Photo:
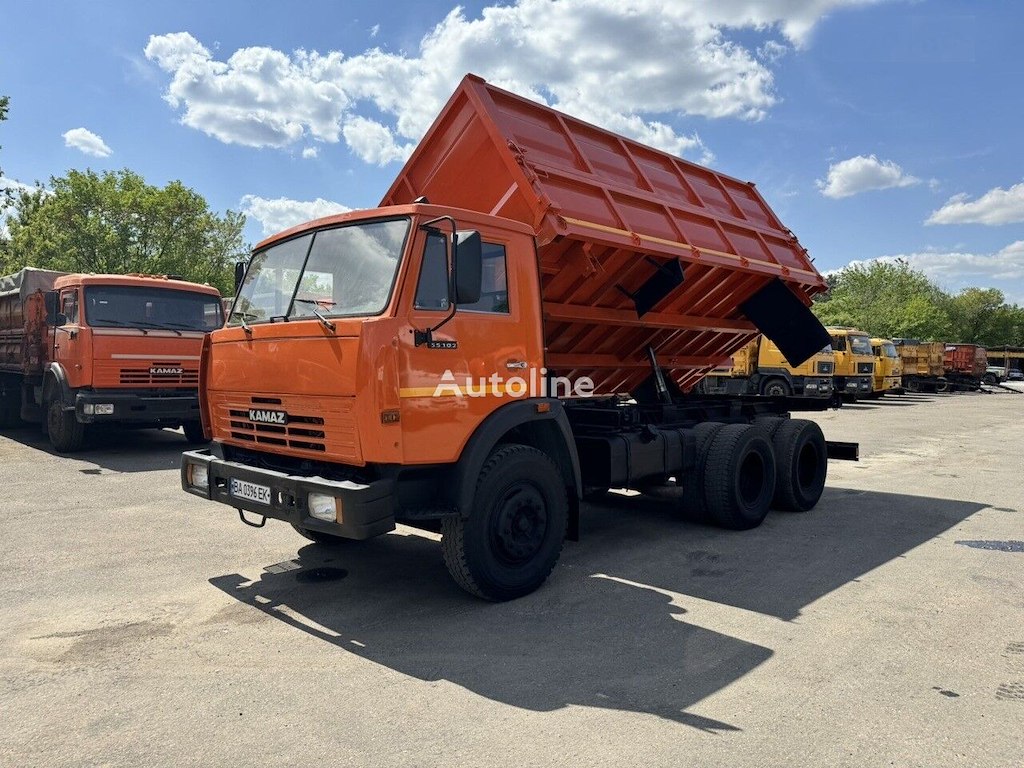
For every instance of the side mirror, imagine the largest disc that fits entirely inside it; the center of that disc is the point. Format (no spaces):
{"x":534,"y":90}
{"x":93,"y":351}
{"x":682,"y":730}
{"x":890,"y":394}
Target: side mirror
{"x":60,"y":320}
{"x":239,"y":274}
{"x":50,"y":301}
{"x":469,"y":267}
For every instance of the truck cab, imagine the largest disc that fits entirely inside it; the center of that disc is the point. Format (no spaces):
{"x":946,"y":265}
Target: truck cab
{"x":854,"y":362}
{"x":888,"y":370}
{"x":123,"y":349}
{"x":760,"y":368}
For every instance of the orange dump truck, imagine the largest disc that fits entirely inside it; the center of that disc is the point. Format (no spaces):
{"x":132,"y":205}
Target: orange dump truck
{"x":79,"y":349}
{"x":520,"y":323}
{"x":965,"y":365}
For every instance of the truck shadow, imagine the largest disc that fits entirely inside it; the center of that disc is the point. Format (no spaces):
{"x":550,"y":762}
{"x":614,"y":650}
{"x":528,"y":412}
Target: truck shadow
{"x":609,"y":629}
{"x":112,"y":448}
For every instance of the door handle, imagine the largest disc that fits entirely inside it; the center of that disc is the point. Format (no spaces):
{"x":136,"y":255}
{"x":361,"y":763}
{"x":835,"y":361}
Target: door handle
{"x":516,"y":365}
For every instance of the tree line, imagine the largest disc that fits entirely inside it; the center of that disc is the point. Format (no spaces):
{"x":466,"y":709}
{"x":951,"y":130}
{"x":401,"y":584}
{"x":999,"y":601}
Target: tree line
{"x":114,"y":222}
{"x":894,"y":300}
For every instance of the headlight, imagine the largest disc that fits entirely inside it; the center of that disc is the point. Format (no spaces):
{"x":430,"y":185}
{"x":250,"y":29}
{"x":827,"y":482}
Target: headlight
{"x":103,"y":409}
{"x":198,"y":476}
{"x":324,"y":507}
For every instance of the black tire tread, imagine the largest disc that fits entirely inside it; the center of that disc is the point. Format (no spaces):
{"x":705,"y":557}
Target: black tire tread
{"x":71,"y":433}
{"x":453,"y":527}
{"x":787,"y":498}
{"x":718,"y":484}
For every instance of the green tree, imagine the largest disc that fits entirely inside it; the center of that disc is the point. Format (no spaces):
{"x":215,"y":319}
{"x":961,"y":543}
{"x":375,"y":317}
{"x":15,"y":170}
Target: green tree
{"x":889,"y":299}
{"x":115,"y":222}
{"x":981,"y":316}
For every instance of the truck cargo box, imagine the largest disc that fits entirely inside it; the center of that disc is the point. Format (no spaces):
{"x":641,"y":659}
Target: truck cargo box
{"x":637,"y":247}
{"x":21,"y":329}
{"x":967,"y":359}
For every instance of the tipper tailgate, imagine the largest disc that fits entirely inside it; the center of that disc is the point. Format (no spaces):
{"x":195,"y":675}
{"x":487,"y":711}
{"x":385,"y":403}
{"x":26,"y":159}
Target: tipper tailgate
{"x":636,"y":247}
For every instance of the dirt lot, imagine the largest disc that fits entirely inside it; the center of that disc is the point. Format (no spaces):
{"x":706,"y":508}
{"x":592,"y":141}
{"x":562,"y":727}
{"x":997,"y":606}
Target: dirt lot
{"x":143,"y":626}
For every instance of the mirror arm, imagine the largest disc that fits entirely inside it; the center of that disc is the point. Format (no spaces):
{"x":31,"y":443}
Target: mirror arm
{"x":426,"y":336}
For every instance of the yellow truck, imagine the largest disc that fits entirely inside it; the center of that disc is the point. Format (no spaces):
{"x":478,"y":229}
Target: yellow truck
{"x":854,"y":362}
{"x":759,"y":368}
{"x":924,"y":369}
{"x":888,"y":370}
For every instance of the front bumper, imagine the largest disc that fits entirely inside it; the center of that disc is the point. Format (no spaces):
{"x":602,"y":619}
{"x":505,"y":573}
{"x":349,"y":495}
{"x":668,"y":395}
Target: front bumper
{"x":364,"y":510}
{"x":818,"y":387}
{"x":143,"y":407}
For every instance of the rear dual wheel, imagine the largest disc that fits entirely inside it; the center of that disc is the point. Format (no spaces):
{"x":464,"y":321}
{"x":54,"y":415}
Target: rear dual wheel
{"x":739,"y":476}
{"x":801,"y":464}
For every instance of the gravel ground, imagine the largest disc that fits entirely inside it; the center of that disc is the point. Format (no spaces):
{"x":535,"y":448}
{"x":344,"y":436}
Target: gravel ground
{"x":886,"y":627}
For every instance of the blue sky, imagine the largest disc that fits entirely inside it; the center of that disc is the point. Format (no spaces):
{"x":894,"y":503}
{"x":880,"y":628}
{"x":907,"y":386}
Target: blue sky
{"x":875,"y":128}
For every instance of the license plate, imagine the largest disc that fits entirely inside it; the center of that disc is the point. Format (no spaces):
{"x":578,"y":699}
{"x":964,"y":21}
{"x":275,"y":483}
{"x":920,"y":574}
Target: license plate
{"x":243,"y":489}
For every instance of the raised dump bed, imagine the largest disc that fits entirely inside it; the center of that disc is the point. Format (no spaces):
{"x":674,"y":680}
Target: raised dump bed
{"x":637,"y":247}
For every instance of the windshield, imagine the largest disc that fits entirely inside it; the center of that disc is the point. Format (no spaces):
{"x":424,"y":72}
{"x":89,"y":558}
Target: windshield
{"x":889,"y":350}
{"x":342,"y":271}
{"x":124,"y":306}
{"x":860,"y":345}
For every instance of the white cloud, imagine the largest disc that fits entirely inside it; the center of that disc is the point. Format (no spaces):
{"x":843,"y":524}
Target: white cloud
{"x":997,"y":206}
{"x":310,"y":152}
{"x":630,"y":65}
{"x":861,"y":174}
{"x":281,"y":213}
{"x":86,"y":141}
{"x":375,"y":30}
{"x":957,"y":269}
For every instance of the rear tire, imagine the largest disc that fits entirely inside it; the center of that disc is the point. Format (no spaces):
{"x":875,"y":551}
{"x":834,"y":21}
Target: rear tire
{"x":66,"y":432}
{"x":512,"y":538}
{"x":691,"y":505}
{"x":801,"y":465}
{"x":10,"y":408}
{"x":739,"y":479}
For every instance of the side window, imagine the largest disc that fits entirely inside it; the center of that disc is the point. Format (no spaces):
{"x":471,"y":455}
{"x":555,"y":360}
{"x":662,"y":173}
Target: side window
{"x":494,"y":286}
{"x":839,"y":343}
{"x":432,"y":289}
{"x":69,"y":306}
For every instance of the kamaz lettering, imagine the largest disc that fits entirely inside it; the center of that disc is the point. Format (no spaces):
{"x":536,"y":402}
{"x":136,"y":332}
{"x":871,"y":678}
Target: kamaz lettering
{"x":166,"y":371}
{"x":268,"y":417}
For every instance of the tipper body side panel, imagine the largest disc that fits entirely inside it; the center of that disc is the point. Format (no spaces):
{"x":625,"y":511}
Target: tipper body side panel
{"x":636,"y":247}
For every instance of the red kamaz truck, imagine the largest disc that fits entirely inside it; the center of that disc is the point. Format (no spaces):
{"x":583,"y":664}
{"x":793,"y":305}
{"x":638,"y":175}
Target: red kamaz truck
{"x":78,"y":349}
{"x":519,"y":324}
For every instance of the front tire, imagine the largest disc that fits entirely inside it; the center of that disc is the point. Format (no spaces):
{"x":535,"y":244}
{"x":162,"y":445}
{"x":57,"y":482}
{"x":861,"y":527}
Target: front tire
{"x":194,"y":434}
{"x":66,"y":432}
{"x":776,"y":388}
{"x":512,"y":538}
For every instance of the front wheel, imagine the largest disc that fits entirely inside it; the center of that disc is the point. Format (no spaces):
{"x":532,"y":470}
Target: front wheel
{"x":512,"y":538}
{"x":66,"y":432}
{"x":776,"y":388}
{"x":194,"y":432}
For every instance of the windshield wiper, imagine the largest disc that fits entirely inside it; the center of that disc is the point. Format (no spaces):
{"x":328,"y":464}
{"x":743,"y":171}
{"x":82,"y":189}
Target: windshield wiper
{"x":107,"y":323}
{"x":315,"y":309}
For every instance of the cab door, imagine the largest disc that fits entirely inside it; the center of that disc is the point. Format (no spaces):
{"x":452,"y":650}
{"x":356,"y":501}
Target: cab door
{"x":68,"y":345}
{"x":490,"y":353}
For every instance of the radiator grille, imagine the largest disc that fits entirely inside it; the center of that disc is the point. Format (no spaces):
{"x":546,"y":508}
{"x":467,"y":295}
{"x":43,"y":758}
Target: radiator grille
{"x":159,"y":376}
{"x":300,"y":431}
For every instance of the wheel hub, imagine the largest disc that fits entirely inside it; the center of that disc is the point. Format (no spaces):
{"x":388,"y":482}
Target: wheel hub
{"x":519,"y":524}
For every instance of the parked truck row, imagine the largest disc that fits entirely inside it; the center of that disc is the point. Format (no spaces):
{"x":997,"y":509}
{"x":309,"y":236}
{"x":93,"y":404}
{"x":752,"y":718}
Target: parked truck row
{"x":397,"y":365}
{"x":538,"y":311}
{"x":83,"y":349}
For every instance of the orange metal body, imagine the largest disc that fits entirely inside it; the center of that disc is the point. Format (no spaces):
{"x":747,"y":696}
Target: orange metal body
{"x":967,"y":359}
{"x":586,"y":217}
{"x":606,"y":212}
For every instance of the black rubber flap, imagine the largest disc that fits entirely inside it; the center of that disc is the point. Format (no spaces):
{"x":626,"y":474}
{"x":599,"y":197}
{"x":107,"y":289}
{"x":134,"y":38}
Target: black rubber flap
{"x":783,"y":318}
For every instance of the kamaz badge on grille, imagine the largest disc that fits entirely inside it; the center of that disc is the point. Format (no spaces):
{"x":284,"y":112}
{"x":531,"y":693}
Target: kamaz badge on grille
{"x":166,"y":371}
{"x":268,"y":417}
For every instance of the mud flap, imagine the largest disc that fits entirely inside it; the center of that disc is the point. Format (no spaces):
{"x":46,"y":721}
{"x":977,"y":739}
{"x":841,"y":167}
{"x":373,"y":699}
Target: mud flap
{"x":781,"y":316}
